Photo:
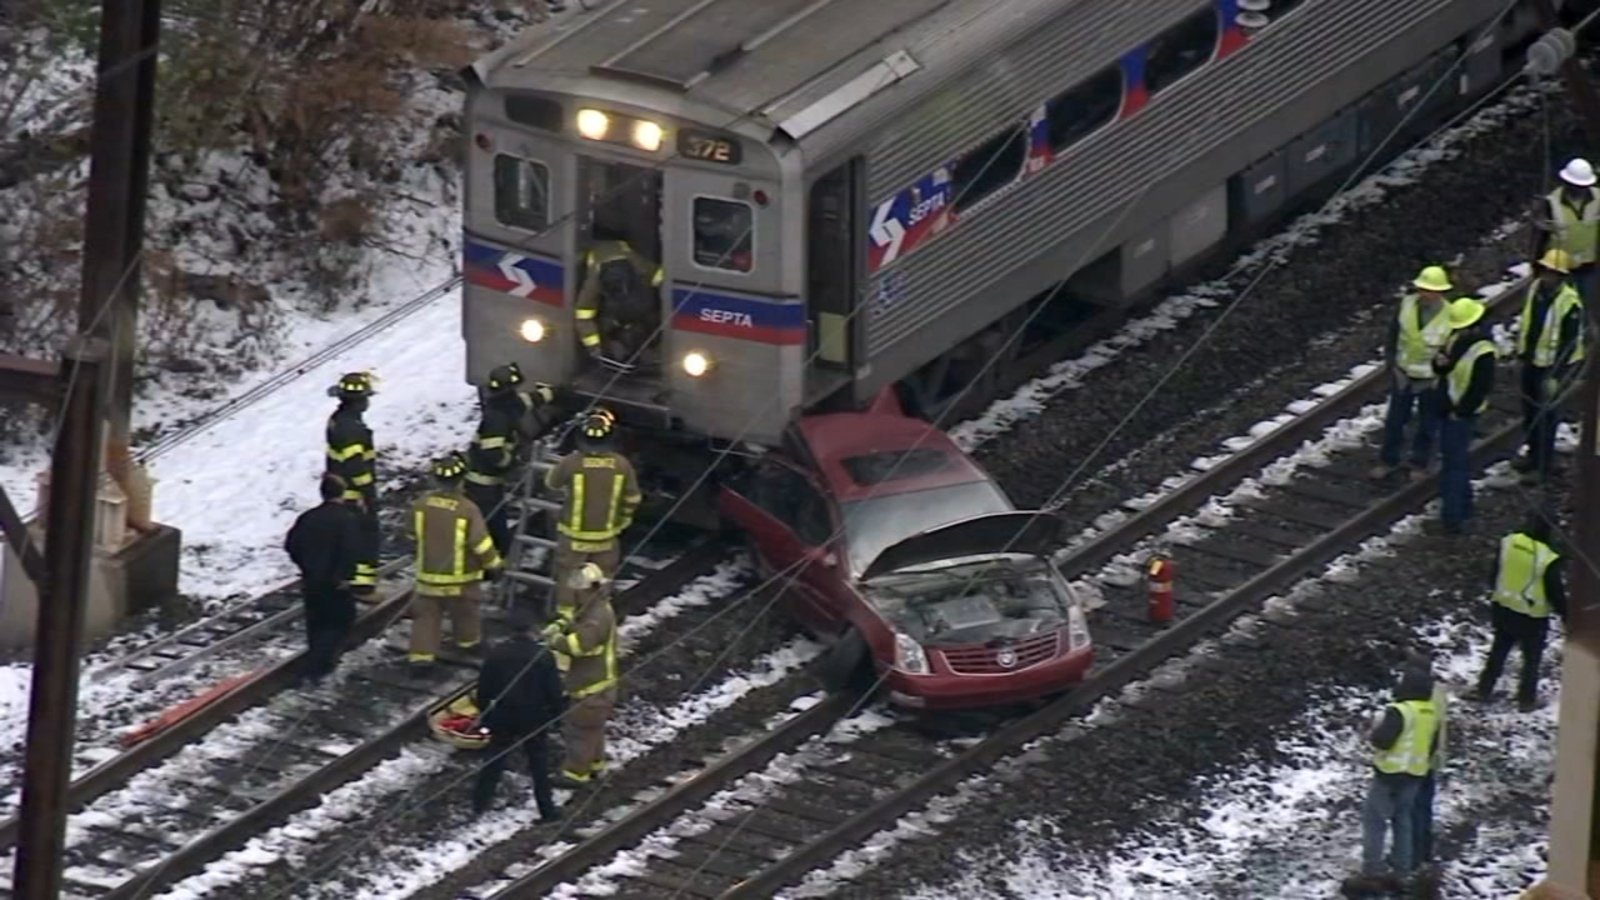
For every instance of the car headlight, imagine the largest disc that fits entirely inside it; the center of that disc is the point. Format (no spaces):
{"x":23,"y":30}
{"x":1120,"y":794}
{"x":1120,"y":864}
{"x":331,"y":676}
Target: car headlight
{"x":909,"y":656}
{"x":532,"y":330}
{"x":696,"y":364}
{"x":1077,"y":628}
{"x":593,"y":124}
{"x":647,"y":136}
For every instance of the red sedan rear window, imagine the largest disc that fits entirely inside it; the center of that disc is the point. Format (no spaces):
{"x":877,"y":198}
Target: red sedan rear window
{"x":894,"y":465}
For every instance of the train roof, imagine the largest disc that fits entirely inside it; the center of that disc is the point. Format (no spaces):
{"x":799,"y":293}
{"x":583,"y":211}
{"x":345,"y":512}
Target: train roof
{"x":796,"y":64}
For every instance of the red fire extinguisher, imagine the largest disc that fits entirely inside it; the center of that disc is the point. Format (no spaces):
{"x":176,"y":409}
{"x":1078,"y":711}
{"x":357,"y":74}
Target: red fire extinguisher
{"x":1160,"y":588}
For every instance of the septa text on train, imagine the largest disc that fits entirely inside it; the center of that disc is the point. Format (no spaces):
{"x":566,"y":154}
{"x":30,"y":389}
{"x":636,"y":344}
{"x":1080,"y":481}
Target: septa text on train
{"x":727,"y":316}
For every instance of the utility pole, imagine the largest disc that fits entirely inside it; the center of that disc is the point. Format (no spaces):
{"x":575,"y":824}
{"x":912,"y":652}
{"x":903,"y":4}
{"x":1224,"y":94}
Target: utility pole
{"x":1574,"y":847}
{"x":63,"y":594}
{"x":119,"y":174}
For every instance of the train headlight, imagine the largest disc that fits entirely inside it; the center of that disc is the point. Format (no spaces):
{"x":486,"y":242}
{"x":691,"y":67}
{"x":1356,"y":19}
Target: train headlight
{"x":532,"y":330}
{"x":696,"y":364}
{"x":647,"y":135}
{"x":593,"y":124}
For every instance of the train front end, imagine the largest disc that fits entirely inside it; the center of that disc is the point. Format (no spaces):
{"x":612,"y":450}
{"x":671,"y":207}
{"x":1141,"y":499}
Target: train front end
{"x":702,"y":343}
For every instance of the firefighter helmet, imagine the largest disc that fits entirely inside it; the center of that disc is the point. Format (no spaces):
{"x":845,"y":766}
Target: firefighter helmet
{"x":451,"y":467}
{"x":586,"y":577}
{"x":599,"y":425}
{"x":504,"y":378}
{"x":354,"y":384}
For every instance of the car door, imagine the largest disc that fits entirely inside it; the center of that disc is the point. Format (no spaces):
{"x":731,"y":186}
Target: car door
{"x":768,"y":501}
{"x":823,"y":579}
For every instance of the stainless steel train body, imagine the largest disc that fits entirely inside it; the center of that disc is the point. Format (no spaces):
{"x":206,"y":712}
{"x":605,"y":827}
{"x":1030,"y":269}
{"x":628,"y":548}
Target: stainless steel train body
{"x":904,"y":176}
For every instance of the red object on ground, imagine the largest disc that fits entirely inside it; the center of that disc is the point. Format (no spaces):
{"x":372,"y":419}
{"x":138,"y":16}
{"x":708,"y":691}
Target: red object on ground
{"x":1161,"y":606}
{"x":184,"y":710}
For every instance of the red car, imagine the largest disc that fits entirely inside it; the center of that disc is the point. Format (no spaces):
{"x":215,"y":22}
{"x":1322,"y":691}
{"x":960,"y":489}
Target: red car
{"x":902,"y":550}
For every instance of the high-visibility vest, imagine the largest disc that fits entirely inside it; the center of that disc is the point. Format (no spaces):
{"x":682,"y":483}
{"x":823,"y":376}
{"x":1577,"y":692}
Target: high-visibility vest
{"x":1519,"y":585}
{"x":1548,"y":341}
{"x":1460,"y":377}
{"x":1411,"y":753}
{"x":1576,"y":230}
{"x":1418,"y":343}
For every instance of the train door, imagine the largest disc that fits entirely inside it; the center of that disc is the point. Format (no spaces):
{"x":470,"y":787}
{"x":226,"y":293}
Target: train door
{"x":832,"y":272}
{"x":622,"y":202}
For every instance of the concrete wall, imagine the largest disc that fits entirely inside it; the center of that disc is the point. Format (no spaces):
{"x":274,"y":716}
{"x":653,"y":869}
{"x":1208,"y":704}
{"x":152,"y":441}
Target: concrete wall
{"x":140,"y":575}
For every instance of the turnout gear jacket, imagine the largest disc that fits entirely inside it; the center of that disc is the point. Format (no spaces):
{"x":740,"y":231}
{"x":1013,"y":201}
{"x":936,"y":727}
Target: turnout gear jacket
{"x":1550,"y":330}
{"x":453,"y":544}
{"x":519,"y":686}
{"x":324,"y":543}
{"x":586,"y":310}
{"x":602,"y":493}
{"x":586,"y":644}
{"x":1528,"y":577}
{"x":1413,"y":340}
{"x":1467,"y":367}
{"x":493,"y":451}
{"x":1570,"y":220}
{"x":1408,"y":734}
{"x":352,"y":454}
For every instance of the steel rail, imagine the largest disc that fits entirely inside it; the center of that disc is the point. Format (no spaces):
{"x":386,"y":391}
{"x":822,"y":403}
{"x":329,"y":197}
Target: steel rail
{"x":1182,"y":636}
{"x":193,"y":856}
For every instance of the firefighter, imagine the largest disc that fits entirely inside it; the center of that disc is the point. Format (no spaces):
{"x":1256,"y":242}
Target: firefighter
{"x":1466,"y":369}
{"x":494,"y":451}
{"x":1417,"y":333}
{"x":618,"y":310}
{"x":1568,"y":219}
{"x":1403,"y":743}
{"x":1550,"y":346}
{"x":353,"y":457}
{"x":583,"y":637}
{"x":521,"y":695}
{"x":324,"y":543}
{"x":1527,"y":586}
{"x":602,"y":493}
{"x":454,"y":554}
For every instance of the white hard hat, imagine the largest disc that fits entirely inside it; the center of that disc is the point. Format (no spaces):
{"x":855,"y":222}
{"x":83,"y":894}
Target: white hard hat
{"x":1578,"y":173}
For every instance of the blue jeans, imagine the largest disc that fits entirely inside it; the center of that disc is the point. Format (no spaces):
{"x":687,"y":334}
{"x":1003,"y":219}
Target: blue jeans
{"x":1402,"y":398}
{"x":1455,"y":471}
{"x":1422,"y":823}
{"x":1391,"y":804}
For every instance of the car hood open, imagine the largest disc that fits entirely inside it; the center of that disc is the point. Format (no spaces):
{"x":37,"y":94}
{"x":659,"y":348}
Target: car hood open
{"x":1033,"y":533}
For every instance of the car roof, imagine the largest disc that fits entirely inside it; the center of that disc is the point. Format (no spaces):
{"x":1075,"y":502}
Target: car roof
{"x":835,"y":437}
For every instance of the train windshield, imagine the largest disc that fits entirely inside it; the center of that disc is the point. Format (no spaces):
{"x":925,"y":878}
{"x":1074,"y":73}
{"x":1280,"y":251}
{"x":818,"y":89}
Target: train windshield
{"x":877,"y":523}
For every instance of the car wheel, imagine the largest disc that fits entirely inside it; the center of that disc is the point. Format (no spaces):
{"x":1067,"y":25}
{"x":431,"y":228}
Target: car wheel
{"x":848,"y":662}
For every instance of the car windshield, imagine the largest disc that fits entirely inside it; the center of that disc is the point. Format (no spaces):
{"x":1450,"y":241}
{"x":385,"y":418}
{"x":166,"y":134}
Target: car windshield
{"x":995,"y":599}
{"x":877,"y":523}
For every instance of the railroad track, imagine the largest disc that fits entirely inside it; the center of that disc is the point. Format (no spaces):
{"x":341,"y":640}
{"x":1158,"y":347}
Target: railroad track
{"x":849,"y":790}
{"x":278,"y":759}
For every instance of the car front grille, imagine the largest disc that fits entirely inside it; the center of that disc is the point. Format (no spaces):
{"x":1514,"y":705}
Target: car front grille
{"x":986,"y":660}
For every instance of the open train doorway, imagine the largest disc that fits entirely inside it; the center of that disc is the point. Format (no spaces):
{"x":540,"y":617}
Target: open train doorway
{"x":618,"y":312}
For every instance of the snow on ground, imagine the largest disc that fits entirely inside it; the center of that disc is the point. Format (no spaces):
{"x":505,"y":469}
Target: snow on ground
{"x":388,"y":793}
{"x":1293,"y":831}
{"x":1030,"y":399}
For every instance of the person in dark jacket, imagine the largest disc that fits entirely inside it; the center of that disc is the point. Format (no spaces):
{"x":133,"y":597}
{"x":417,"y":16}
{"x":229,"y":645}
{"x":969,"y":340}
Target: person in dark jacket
{"x":519,"y":691}
{"x":325,"y":542}
{"x":1527,"y":587}
{"x":1404,"y":741}
{"x":1466,"y":374}
{"x":352,"y":456}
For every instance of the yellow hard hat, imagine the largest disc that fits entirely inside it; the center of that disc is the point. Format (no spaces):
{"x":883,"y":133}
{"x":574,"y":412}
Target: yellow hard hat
{"x":1465,"y":311}
{"x":1433,"y":278}
{"x":1557,"y":260}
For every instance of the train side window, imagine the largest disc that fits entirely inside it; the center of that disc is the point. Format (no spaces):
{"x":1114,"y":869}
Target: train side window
{"x":1072,"y":116}
{"x":1180,"y":50}
{"x":521,"y":192}
{"x":989,"y":167}
{"x":724,"y":234}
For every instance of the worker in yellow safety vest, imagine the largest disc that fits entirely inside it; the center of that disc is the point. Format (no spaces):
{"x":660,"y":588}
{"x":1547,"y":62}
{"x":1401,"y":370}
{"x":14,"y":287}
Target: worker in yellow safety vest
{"x":1527,"y":586}
{"x":1568,"y":219}
{"x":1466,"y":366}
{"x":1418,"y":332}
{"x":1550,"y":339}
{"x":455,"y":553}
{"x":1403,"y":741}
{"x":583,"y":638}
{"x":618,"y":310}
{"x":601,"y":493}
